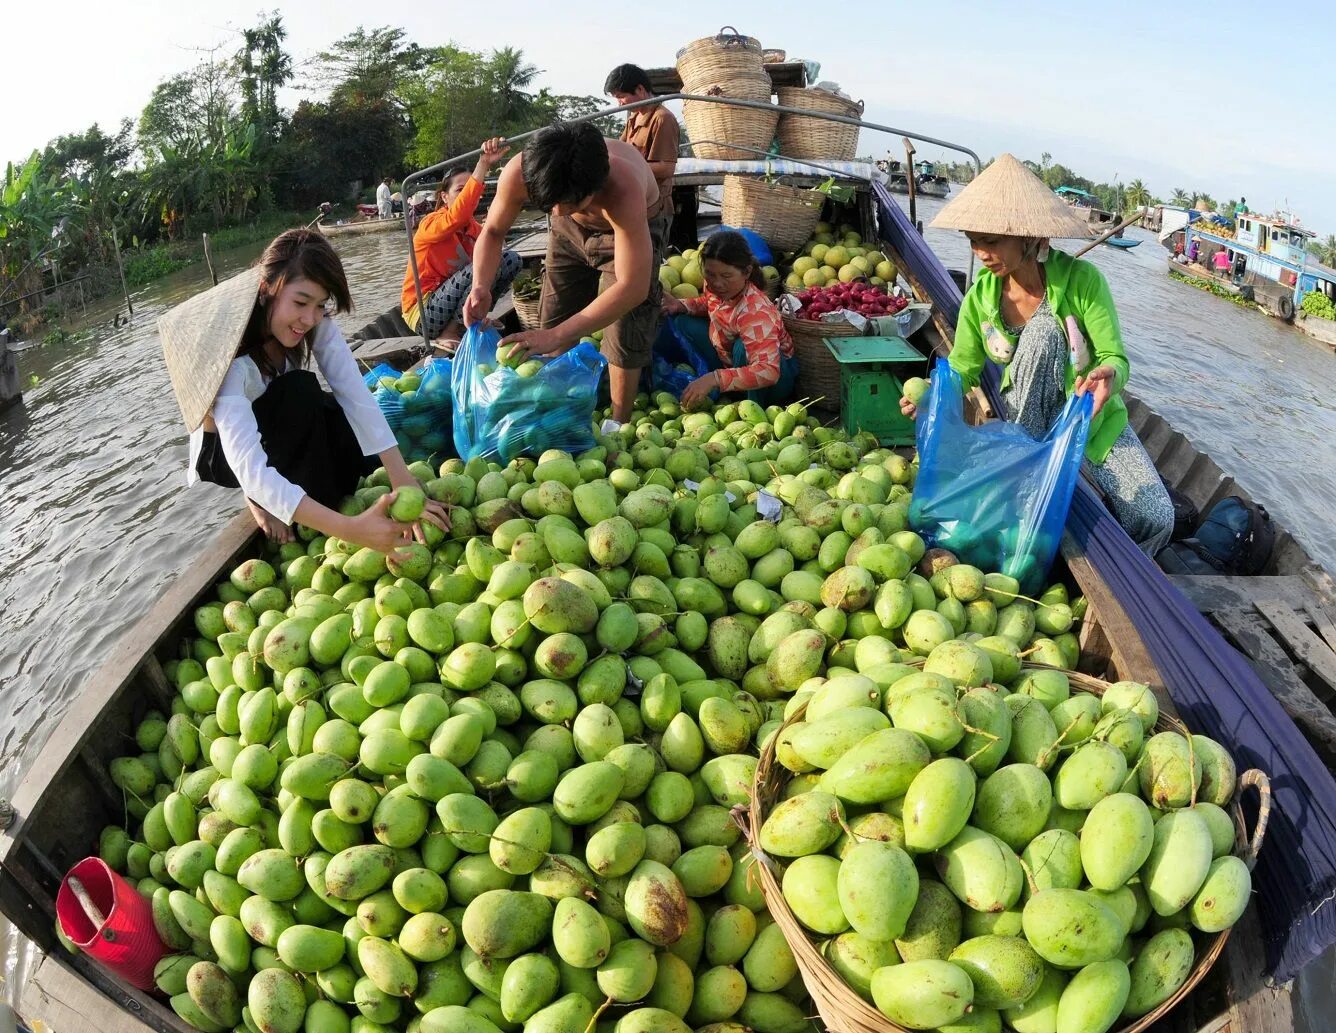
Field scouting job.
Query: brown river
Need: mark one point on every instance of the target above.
(95, 518)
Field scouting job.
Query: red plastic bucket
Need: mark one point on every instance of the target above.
(127, 941)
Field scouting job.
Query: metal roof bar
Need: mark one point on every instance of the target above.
(413, 179)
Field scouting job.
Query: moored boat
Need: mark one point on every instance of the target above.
(65, 798)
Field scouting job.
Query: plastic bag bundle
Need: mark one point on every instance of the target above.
(507, 412)
(993, 495)
(674, 363)
(417, 406)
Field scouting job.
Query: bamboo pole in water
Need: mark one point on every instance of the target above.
(208, 260)
(116, 243)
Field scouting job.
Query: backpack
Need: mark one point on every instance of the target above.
(1236, 538)
(1185, 513)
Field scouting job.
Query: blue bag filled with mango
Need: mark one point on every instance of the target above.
(993, 495)
(506, 408)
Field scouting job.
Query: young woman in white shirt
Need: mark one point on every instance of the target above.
(261, 421)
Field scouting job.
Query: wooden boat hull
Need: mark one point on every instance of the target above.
(66, 796)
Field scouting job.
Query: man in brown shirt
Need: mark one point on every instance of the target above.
(652, 130)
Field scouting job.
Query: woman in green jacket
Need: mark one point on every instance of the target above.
(1049, 320)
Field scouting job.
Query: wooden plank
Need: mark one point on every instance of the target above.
(1295, 634)
(1324, 622)
(1211, 592)
(81, 721)
(1255, 1006)
(63, 1001)
(156, 678)
(1278, 674)
(1130, 657)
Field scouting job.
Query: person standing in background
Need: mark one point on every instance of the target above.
(383, 198)
(652, 130)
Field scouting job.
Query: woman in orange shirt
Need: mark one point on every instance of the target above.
(735, 328)
(443, 243)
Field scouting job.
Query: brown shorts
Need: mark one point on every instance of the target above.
(579, 266)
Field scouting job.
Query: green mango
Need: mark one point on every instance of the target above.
(1161, 966)
(1224, 895)
(881, 766)
(1116, 840)
(505, 923)
(1178, 862)
(359, 871)
(805, 824)
(308, 948)
(1013, 804)
(276, 1001)
(982, 871)
(1005, 970)
(1088, 775)
(877, 887)
(1071, 928)
(1095, 997)
(810, 887)
(937, 804)
(922, 994)
(387, 966)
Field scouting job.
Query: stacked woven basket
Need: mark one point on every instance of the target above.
(817, 139)
(726, 65)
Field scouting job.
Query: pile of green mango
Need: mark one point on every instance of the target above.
(978, 846)
(487, 783)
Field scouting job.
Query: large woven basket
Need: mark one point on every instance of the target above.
(724, 55)
(812, 139)
(785, 216)
(842, 1009)
(526, 312)
(712, 127)
(818, 369)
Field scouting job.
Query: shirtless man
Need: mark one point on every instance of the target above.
(608, 225)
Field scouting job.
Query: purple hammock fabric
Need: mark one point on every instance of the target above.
(1214, 687)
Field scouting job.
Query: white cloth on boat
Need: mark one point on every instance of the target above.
(780, 167)
(239, 434)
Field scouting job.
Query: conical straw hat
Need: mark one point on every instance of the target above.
(1009, 200)
(200, 339)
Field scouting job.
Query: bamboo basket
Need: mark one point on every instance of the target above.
(819, 371)
(785, 216)
(724, 55)
(526, 311)
(842, 1009)
(815, 139)
(712, 127)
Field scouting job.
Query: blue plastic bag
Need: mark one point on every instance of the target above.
(759, 248)
(419, 416)
(671, 351)
(499, 413)
(992, 494)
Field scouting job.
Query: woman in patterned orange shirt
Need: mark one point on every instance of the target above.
(735, 328)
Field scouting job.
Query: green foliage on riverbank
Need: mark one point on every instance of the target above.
(213, 152)
(143, 265)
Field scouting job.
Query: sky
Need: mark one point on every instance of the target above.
(1211, 97)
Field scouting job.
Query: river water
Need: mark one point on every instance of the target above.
(95, 520)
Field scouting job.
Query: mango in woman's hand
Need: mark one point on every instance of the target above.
(408, 504)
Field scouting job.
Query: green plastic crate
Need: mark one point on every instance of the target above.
(872, 375)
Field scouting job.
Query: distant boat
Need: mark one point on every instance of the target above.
(1122, 242)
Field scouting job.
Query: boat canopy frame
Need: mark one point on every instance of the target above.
(413, 179)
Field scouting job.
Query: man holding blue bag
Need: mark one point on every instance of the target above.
(1049, 321)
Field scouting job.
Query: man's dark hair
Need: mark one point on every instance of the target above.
(625, 79)
(564, 163)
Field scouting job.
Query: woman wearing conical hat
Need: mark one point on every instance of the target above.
(239, 356)
(1049, 321)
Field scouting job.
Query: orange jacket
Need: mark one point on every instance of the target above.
(443, 243)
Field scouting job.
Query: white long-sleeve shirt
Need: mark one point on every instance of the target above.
(239, 433)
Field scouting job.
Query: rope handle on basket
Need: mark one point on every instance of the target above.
(1250, 847)
(730, 39)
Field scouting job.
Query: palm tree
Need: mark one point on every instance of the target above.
(510, 75)
(1180, 197)
(1326, 251)
(1136, 195)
